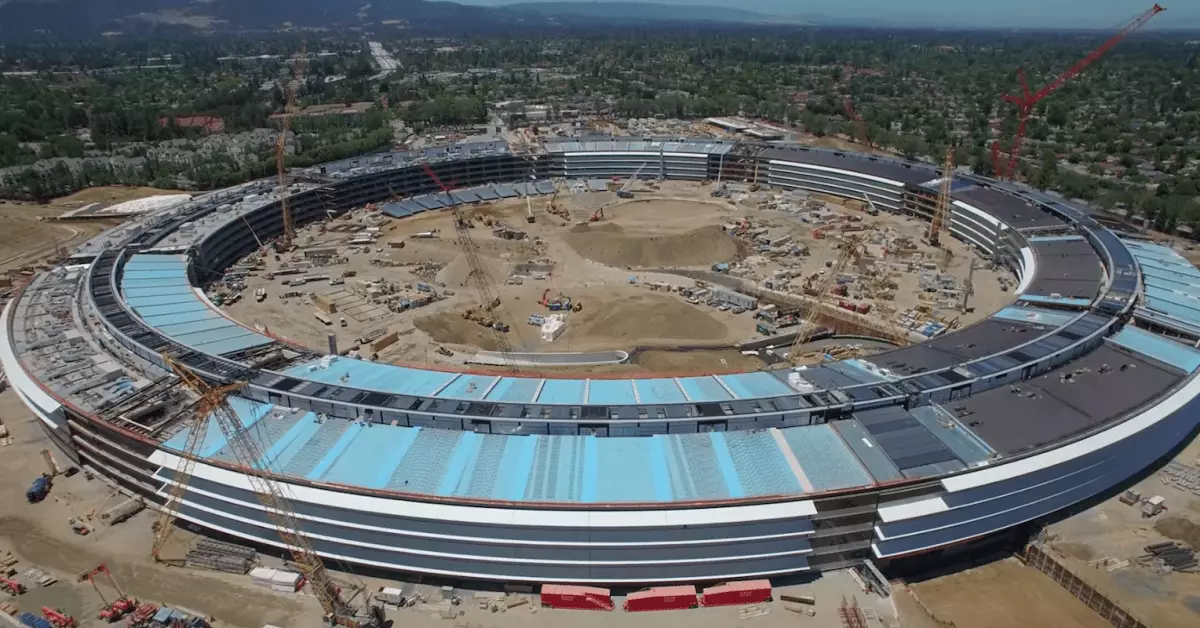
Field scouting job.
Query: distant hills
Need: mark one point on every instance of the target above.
(646, 11)
(79, 18)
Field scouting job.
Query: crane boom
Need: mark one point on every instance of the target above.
(269, 492)
(1026, 101)
(197, 428)
(811, 308)
(941, 213)
(859, 124)
(289, 110)
(479, 272)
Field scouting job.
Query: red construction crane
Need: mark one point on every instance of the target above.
(479, 272)
(1027, 100)
(121, 606)
(858, 121)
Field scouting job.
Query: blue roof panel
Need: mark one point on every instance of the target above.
(755, 385)
(562, 391)
(702, 389)
(1160, 348)
(611, 392)
(662, 390)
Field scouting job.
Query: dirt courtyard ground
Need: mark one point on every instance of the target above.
(1002, 594)
(28, 238)
(40, 536)
(607, 267)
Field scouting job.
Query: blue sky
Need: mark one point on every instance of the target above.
(1002, 13)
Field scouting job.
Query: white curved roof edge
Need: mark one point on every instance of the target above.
(638, 153)
(990, 514)
(489, 515)
(978, 213)
(912, 510)
(869, 177)
(1028, 272)
(270, 540)
(489, 540)
(941, 506)
(20, 380)
(270, 529)
(1045, 460)
(1161, 410)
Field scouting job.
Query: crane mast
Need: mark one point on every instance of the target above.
(269, 492)
(479, 272)
(1027, 100)
(811, 308)
(165, 524)
(289, 110)
(859, 124)
(941, 213)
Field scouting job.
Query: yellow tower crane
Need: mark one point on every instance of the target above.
(811, 309)
(289, 110)
(214, 402)
(941, 213)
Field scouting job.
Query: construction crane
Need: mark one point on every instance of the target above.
(119, 607)
(1027, 100)
(941, 213)
(626, 190)
(811, 308)
(255, 467)
(859, 124)
(479, 273)
(197, 428)
(289, 110)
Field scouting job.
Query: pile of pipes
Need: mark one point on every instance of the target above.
(1174, 555)
(123, 511)
(219, 556)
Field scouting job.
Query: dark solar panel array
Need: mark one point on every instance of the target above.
(909, 444)
(1101, 386)
(906, 173)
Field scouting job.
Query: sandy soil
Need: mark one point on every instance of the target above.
(610, 244)
(1112, 529)
(1003, 594)
(26, 239)
(677, 227)
(40, 536)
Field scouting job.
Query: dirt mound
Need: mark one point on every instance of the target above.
(1179, 529)
(609, 244)
(452, 328)
(648, 318)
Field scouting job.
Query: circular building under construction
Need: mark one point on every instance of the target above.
(907, 456)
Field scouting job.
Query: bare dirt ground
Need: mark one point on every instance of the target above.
(604, 265)
(1002, 594)
(1111, 529)
(26, 239)
(39, 535)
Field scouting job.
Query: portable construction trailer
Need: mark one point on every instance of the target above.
(736, 593)
(576, 598)
(662, 599)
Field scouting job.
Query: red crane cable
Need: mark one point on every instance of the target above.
(1026, 101)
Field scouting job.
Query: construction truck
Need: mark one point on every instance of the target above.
(38, 490)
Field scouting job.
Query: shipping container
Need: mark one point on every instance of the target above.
(662, 599)
(735, 593)
(576, 598)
